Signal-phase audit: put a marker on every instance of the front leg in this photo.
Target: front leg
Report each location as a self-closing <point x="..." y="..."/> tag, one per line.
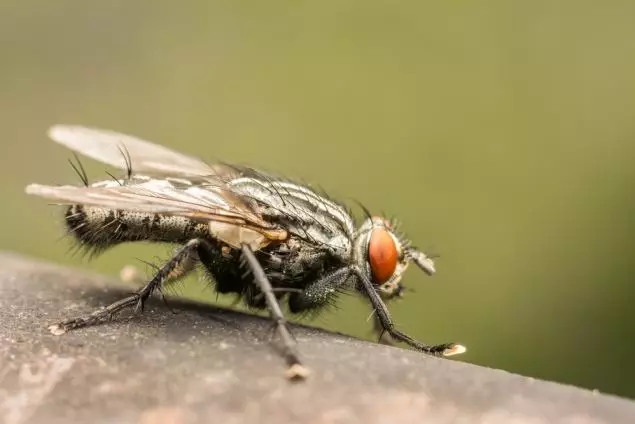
<point x="446" y="349"/>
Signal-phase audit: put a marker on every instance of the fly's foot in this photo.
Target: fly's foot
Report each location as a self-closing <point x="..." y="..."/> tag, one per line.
<point x="448" y="349"/>
<point x="445" y="349"/>
<point x="297" y="372"/>
<point x="100" y="315"/>
<point x="57" y="329"/>
<point x="78" y="322"/>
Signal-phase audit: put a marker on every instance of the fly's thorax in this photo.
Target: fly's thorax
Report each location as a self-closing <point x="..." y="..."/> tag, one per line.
<point x="341" y="246"/>
<point x="381" y="255"/>
<point x="299" y="209"/>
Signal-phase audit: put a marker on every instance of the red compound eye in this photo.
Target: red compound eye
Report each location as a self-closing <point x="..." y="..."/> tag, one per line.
<point x="382" y="255"/>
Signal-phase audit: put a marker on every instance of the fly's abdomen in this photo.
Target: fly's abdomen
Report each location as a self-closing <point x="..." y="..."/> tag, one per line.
<point x="100" y="228"/>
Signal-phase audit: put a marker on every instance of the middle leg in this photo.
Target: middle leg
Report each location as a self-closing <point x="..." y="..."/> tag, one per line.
<point x="296" y="370"/>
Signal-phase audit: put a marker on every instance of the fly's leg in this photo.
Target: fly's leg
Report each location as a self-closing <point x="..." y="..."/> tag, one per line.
<point x="181" y="264"/>
<point x="131" y="275"/>
<point x="445" y="349"/>
<point x="382" y="335"/>
<point x="320" y="292"/>
<point x="296" y="370"/>
<point x="389" y="293"/>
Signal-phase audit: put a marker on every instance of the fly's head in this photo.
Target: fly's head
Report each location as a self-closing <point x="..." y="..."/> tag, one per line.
<point x="384" y="256"/>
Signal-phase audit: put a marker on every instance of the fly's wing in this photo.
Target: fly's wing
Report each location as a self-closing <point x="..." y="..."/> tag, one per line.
<point x="229" y="216"/>
<point x="123" y="151"/>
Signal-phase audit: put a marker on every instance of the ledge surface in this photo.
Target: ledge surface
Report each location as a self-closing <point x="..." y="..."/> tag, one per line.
<point x="205" y="364"/>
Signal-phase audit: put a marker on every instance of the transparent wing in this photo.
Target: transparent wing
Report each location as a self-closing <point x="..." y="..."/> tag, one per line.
<point x="158" y="196"/>
<point x="123" y="151"/>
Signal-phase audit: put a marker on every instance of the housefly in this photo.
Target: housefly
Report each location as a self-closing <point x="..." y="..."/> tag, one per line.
<point x="264" y="238"/>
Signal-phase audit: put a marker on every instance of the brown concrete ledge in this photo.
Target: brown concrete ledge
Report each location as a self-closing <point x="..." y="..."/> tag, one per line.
<point x="207" y="365"/>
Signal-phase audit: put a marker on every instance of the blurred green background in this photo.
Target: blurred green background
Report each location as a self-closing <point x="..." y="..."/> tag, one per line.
<point x="501" y="133"/>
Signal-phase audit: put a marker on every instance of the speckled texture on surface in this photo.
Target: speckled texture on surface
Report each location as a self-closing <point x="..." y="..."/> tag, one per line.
<point x="206" y="365"/>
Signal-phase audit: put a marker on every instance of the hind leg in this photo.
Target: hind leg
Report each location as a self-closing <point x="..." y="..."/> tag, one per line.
<point x="182" y="263"/>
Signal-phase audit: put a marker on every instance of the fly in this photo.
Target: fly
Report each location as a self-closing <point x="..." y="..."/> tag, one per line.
<point x="267" y="239"/>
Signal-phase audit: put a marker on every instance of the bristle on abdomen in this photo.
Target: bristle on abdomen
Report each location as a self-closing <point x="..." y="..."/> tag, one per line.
<point x="99" y="228"/>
